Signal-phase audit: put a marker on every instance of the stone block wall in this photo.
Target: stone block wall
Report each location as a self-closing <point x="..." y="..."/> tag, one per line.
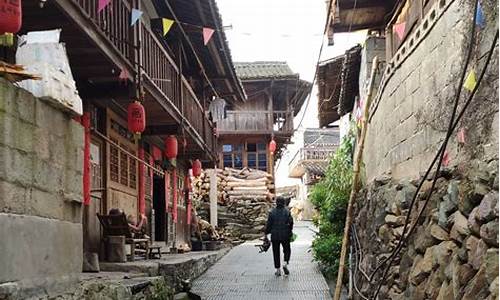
<point x="41" y="159"/>
<point x="453" y="251"/>
<point x="414" y="109"/>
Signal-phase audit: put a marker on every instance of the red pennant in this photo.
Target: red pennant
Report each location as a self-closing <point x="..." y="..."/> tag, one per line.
<point x="399" y="29"/>
<point x="207" y="34"/>
<point x="446" y="158"/>
<point x="102" y="4"/>
<point x="123" y="77"/>
<point x="461" y="136"/>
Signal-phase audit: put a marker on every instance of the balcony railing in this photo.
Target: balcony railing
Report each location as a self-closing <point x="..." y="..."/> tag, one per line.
<point x="158" y="67"/>
<point x="309" y="155"/>
<point x="257" y="121"/>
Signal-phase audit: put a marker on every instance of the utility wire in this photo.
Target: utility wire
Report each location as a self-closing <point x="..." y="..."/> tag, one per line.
<point x="317" y="63"/>
<point x="203" y="71"/>
<point x="455" y="124"/>
<point x="457" y="98"/>
<point x="440" y="154"/>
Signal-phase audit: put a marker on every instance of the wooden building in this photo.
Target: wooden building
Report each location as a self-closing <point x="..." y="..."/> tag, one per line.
<point x="275" y="96"/>
<point x="174" y="75"/>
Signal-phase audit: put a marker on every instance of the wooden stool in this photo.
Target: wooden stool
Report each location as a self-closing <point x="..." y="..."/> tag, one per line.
<point x="153" y="253"/>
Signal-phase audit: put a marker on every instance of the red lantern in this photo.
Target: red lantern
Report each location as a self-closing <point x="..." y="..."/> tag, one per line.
<point x="10" y="16"/>
<point x="136" y="117"/>
<point x="171" y="147"/>
<point x="197" y="168"/>
<point x="272" y="146"/>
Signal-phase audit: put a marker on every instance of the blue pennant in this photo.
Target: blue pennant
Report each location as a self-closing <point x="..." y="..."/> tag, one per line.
<point x="480" y="16"/>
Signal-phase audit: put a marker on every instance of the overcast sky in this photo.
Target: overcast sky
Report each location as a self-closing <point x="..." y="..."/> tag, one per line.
<point x="283" y="30"/>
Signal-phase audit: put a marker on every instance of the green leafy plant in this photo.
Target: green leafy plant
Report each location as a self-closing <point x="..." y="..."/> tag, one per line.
<point x="330" y="197"/>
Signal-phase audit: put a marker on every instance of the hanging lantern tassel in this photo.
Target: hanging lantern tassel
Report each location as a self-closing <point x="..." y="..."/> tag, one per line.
<point x="136" y="118"/>
<point x="272" y="146"/>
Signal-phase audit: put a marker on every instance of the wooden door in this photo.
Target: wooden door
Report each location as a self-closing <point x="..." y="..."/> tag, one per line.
<point x="91" y="224"/>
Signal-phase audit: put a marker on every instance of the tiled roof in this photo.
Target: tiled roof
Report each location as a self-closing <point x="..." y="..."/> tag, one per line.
<point x="322" y="136"/>
<point x="263" y="69"/>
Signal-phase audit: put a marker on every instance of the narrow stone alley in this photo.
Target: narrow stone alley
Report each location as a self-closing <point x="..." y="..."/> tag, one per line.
<point x="244" y="273"/>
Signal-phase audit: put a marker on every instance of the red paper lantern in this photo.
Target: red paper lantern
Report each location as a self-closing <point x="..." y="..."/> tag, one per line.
<point x="272" y="146"/>
<point x="171" y="147"/>
<point x="197" y="168"/>
<point x="136" y="117"/>
<point x="10" y="16"/>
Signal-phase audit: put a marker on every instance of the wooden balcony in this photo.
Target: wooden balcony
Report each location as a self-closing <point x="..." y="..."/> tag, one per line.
<point x="316" y="159"/>
<point x="100" y="44"/>
<point x="257" y="122"/>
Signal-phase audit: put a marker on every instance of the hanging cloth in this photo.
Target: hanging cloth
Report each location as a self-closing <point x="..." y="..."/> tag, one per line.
<point x="217" y="109"/>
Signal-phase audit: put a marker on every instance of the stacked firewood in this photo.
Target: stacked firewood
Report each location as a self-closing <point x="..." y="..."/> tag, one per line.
<point x="235" y="185"/>
<point x="244" y="198"/>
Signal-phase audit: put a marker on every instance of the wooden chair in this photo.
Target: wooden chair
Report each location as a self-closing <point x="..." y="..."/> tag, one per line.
<point x="117" y="225"/>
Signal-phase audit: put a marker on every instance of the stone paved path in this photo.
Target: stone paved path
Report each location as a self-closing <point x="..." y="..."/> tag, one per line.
<point x="245" y="274"/>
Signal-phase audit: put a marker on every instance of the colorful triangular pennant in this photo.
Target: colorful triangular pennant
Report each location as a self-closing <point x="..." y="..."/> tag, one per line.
<point x="207" y="34"/>
<point x="461" y="135"/>
<point x="399" y="29"/>
<point x="123" y="77"/>
<point x="446" y="158"/>
<point x="167" y="24"/>
<point x="102" y="4"/>
<point x="480" y="16"/>
<point x="135" y="15"/>
<point x="470" y="81"/>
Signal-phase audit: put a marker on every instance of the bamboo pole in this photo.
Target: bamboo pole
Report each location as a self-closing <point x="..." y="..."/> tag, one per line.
<point x="355" y="181"/>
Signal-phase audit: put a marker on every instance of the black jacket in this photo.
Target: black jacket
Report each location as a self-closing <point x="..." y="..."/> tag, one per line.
<point x="279" y="224"/>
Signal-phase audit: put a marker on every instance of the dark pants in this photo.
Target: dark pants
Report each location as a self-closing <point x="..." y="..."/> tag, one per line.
<point x="276" y="252"/>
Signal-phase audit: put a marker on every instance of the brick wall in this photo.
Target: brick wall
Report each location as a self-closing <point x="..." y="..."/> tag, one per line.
<point x="41" y="158"/>
<point x="413" y="111"/>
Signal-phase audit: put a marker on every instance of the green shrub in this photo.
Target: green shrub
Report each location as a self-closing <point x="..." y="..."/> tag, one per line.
<point x="330" y="197"/>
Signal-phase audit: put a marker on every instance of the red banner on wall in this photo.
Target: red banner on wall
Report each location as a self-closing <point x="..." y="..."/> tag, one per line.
<point x="142" y="200"/>
<point x="174" y="205"/>
<point x="167" y="190"/>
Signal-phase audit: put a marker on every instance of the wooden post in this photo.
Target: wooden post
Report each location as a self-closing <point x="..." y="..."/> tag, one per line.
<point x="213" y="197"/>
<point x="355" y="181"/>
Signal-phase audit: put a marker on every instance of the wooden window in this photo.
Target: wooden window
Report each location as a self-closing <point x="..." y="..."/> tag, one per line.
<point x="114" y="162"/>
<point x="232" y="155"/>
<point x="123" y="167"/>
<point x="96" y="165"/>
<point x="257" y="156"/>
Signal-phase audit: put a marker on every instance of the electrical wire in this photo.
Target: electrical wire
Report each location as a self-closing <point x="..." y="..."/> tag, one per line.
<point x="308" y="100"/>
<point x="357" y="250"/>
<point x="453" y="128"/>
<point x="453" y="124"/>
<point x="412" y="203"/>
<point x="188" y="40"/>
<point x="440" y="154"/>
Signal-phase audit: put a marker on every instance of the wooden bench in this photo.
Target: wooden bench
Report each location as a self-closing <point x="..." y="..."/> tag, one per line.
<point x="117" y="225"/>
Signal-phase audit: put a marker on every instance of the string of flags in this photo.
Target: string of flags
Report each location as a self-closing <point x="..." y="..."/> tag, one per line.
<point x="470" y="81"/>
<point x="480" y="21"/>
<point x="136" y="14"/>
<point x="399" y="29"/>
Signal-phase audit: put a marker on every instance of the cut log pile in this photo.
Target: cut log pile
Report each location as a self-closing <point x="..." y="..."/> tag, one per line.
<point x="244" y="200"/>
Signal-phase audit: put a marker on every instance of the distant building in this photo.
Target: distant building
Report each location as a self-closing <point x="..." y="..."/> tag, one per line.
<point x="310" y="163"/>
<point x="275" y="95"/>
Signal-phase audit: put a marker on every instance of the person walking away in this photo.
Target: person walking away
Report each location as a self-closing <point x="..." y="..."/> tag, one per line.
<point x="279" y="226"/>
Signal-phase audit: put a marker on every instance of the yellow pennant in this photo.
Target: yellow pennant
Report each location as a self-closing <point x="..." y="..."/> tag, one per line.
<point x="167" y="23"/>
<point x="470" y="81"/>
